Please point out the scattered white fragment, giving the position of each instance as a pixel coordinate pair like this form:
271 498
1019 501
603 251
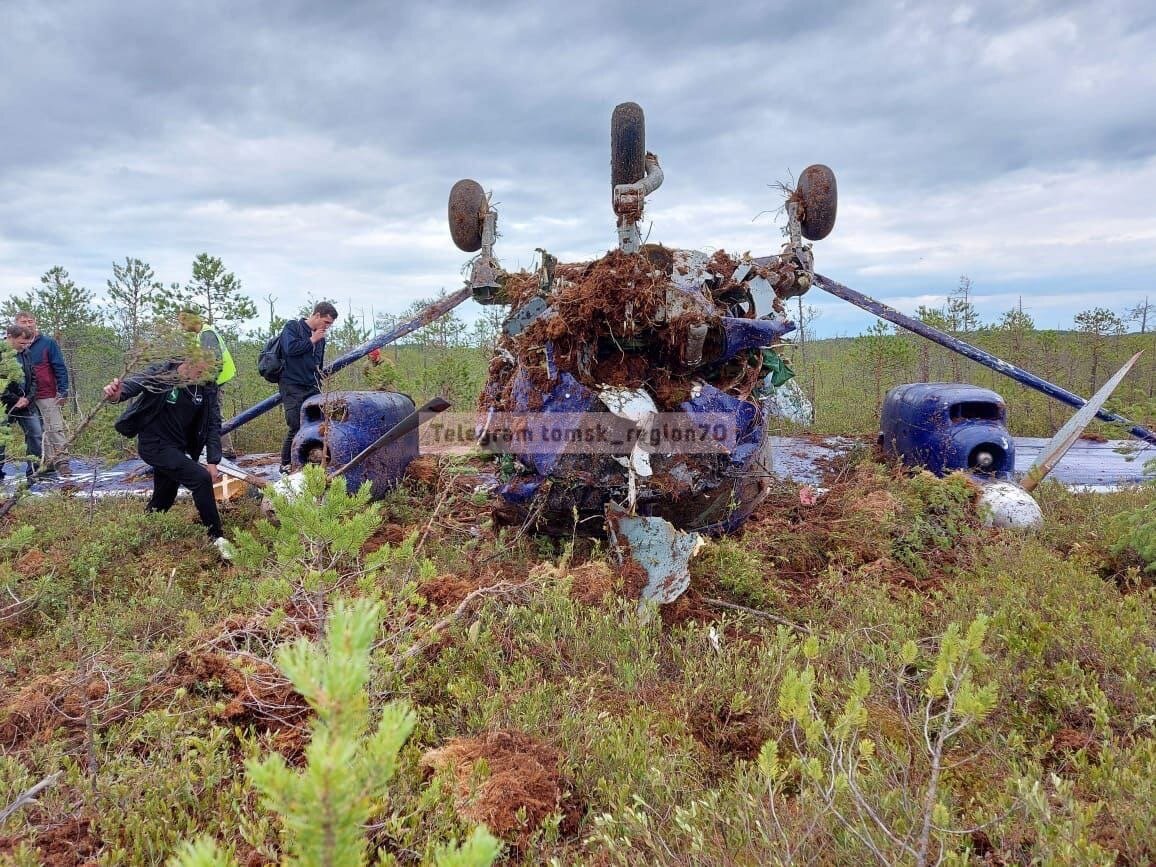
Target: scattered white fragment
1003 504
789 401
289 487
713 635
636 405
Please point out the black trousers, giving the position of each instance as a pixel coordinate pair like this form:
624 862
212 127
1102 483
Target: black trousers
173 468
293 396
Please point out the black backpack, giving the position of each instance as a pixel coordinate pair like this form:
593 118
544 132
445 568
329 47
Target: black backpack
270 362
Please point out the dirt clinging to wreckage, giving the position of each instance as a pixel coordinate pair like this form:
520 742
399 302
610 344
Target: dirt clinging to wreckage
607 324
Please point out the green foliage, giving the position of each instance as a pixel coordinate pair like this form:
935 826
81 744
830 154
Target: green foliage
836 765
1135 533
214 292
11 435
325 807
134 293
59 305
704 739
319 533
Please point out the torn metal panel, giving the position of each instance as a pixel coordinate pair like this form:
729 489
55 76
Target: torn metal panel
663 551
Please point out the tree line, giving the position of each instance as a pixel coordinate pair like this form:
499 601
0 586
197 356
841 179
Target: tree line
848 378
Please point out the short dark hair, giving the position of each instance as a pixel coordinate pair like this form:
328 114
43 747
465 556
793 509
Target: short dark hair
15 330
24 314
324 308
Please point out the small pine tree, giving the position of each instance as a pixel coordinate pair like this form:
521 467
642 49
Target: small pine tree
325 807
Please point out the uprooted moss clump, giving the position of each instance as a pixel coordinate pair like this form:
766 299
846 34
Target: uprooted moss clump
872 523
648 737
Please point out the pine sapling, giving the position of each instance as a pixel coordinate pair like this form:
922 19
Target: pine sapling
325 807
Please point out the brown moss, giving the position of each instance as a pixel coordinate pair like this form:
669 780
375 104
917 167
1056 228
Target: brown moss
522 778
591 583
70 843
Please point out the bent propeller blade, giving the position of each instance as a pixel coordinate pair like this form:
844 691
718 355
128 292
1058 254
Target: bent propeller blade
1066 437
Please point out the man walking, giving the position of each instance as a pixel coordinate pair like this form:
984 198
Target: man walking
176 416
51 375
303 354
19 399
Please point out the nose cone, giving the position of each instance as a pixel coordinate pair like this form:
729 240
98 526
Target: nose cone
1003 504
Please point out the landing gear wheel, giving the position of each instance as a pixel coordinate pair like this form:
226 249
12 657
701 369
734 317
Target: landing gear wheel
627 144
467 212
819 197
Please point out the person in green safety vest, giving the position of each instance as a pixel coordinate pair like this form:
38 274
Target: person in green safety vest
214 347
210 342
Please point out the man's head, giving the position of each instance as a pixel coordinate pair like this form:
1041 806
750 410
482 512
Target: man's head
323 313
19 337
28 321
190 320
196 370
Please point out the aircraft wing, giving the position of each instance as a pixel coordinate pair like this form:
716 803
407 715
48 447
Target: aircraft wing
1088 465
1091 464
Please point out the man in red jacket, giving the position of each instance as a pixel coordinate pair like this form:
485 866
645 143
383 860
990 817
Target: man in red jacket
51 392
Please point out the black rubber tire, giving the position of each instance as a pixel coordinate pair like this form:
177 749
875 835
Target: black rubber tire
467 213
820 198
627 144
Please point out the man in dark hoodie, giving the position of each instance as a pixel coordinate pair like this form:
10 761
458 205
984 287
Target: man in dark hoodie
176 416
303 354
19 398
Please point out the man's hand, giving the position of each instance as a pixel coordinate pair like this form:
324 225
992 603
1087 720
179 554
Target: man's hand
214 473
21 403
112 391
62 400
319 333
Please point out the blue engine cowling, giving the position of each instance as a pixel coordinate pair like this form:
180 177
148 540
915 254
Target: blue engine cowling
946 426
338 425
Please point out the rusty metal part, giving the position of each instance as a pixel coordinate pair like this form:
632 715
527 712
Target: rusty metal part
467 213
524 316
819 197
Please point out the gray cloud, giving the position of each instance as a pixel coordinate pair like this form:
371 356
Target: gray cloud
312 146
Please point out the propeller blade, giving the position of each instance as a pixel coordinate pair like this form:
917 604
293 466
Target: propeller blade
1066 437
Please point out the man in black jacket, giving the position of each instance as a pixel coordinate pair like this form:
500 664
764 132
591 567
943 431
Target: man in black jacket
19 397
176 415
303 353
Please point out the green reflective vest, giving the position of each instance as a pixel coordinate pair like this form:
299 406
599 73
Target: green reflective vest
228 366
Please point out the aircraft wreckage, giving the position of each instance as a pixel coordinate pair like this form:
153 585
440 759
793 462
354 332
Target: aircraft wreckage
635 394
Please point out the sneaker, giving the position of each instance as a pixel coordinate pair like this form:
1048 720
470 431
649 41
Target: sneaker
285 469
225 549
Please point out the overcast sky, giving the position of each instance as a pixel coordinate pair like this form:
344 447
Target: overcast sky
312 145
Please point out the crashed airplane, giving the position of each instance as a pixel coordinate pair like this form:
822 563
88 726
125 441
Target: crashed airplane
636 394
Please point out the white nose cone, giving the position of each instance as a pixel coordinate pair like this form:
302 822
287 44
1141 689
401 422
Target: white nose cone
1003 504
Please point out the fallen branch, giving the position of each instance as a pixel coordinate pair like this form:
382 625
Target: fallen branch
29 796
15 608
500 589
798 627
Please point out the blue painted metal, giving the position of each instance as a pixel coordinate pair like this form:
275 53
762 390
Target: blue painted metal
346 422
541 454
944 426
742 334
428 315
973 352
